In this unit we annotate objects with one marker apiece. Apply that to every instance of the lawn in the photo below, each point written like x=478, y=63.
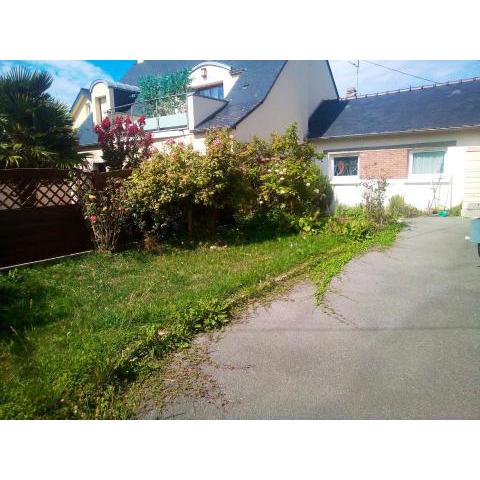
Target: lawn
x=73, y=334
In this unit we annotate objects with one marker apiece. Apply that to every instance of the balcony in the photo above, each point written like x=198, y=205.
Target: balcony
x=160, y=113
x=184, y=111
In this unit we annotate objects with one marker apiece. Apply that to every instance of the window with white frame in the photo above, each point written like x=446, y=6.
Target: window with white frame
x=427, y=162
x=345, y=165
x=214, y=91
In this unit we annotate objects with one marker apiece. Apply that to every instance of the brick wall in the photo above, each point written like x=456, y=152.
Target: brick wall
x=390, y=163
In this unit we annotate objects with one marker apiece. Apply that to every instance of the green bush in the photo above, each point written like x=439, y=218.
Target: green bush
x=351, y=222
x=290, y=179
x=285, y=189
x=180, y=185
x=352, y=212
x=270, y=185
x=456, y=211
x=397, y=207
x=354, y=228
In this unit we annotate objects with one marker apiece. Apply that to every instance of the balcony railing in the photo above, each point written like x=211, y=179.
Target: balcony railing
x=160, y=113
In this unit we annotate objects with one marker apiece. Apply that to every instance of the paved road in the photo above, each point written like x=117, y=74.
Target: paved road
x=397, y=337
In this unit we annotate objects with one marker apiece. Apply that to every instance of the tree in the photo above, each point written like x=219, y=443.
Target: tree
x=124, y=143
x=35, y=129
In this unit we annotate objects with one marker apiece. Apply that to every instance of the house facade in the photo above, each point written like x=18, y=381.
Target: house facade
x=250, y=97
x=425, y=141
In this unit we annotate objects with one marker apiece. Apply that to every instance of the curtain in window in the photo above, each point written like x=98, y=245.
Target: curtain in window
x=427, y=162
x=345, y=166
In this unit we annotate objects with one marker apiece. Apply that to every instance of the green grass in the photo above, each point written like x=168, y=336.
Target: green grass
x=75, y=333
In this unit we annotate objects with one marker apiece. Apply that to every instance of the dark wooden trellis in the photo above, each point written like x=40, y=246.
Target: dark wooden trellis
x=37, y=188
x=40, y=212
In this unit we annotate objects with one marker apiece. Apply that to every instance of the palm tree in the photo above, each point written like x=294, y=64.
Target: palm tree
x=35, y=129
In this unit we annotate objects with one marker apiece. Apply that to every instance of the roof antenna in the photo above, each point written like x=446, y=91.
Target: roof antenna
x=357, y=66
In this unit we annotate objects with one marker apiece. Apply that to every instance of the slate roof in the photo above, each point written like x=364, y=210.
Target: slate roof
x=256, y=79
x=444, y=106
x=252, y=87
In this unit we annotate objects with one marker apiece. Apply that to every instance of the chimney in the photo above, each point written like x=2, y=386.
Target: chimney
x=351, y=92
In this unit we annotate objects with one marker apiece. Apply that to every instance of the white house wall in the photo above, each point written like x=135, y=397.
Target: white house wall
x=298, y=90
x=199, y=108
x=80, y=112
x=215, y=76
x=99, y=90
x=450, y=190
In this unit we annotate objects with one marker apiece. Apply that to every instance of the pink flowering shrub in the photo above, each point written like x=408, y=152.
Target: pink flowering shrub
x=124, y=143
x=179, y=186
x=182, y=189
x=106, y=213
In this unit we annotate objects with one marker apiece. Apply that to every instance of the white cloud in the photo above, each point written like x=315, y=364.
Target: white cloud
x=374, y=79
x=69, y=75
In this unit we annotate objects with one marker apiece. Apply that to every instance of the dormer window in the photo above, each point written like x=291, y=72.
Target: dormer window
x=203, y=73
x=214, y=91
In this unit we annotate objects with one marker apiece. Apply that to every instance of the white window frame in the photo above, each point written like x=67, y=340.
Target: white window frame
x=426, y=176
x=199, y=88
x=343, y=178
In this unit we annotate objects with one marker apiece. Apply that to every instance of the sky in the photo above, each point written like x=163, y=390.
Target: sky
x=372, y=78
x=71, y=75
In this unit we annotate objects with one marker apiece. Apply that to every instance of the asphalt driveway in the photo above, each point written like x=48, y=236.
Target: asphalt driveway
x=397, y=337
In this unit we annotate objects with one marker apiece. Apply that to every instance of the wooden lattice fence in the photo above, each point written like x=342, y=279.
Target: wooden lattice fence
x=40, y=212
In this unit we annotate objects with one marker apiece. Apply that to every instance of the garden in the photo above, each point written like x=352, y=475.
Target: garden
x=182, y=243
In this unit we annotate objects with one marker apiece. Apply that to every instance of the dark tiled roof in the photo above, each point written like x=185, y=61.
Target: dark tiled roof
x=442, y=106
x=86, y=135
x=250, y=90
x=248, y=93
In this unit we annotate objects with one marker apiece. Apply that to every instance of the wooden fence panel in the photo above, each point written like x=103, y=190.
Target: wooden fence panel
x=40, y=212
x=31, y=234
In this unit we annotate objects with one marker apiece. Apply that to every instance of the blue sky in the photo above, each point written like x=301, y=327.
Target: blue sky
x=71, y=75
x=377, y=79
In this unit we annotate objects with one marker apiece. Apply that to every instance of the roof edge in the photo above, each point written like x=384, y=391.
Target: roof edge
x=199, y=129
x=412, y=89
x=81, y=93
x=395, y=132
x=333, y=79
x=117, y=85
x=212, y=64
x=263, y=99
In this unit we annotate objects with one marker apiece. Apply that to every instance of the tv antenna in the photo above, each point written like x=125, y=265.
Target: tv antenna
x=357, y=67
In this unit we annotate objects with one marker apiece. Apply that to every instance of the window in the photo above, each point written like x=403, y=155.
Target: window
x=216, y=91
x=427, y=163
x=345, y=166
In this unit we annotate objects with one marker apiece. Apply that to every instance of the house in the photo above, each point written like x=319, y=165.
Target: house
x=425, y=141
x=251, y=97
